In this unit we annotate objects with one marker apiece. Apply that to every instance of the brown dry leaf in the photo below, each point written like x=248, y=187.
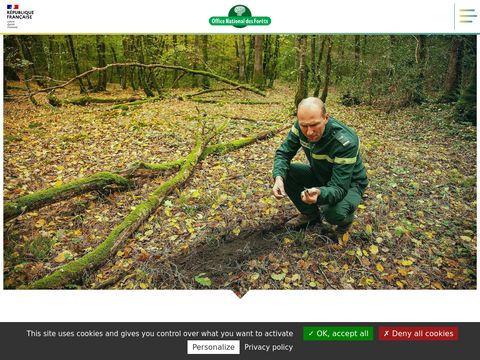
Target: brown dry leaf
x=144, y=255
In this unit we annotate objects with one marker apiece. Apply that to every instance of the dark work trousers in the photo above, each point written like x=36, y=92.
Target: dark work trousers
x=300, y=176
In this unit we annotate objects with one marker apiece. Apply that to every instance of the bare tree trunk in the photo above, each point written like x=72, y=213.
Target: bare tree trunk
x=115, y=59
x=127, y=72
x=418, y=95
x=251, y=47
x=302, y=59
x=71, y=47
x=205, y=79
x=242, y=58
x=175, y=62
x=452, y=81
x=267, y=57
x=328, y=70
x=313, y=54
x=50, y=57
x=357, y=52
x=140, y=48
x=196, y=57
x=102, y=76
x=318, y=78
x=339, y=72
x=274, y=62
x=258, y=78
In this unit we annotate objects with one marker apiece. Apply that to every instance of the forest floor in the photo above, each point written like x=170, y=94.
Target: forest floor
x=416, y=228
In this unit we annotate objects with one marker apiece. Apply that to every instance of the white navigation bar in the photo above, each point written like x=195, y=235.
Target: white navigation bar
x=188, y=16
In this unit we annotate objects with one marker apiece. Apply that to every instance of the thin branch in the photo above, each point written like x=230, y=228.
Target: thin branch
x=151, y=66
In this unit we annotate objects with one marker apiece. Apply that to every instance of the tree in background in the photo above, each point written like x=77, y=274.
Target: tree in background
x=242, y=59
x=205, y=79
x=71, y=48
x=102, y=75
x=454, y=72
x=327, y=70
x=301, y=75
x=258, y=78
x=317, y=74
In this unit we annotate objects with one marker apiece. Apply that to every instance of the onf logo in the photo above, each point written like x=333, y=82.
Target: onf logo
x=240, y=16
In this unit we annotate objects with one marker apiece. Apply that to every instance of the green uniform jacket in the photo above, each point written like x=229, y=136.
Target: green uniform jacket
x=335, y=160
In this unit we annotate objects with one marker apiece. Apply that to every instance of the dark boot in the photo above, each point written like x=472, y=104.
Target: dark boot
x=302, y=220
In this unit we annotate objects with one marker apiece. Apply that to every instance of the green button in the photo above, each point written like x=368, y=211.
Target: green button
x=335, y=333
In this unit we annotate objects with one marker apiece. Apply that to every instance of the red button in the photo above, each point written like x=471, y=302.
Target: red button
x=416, y=333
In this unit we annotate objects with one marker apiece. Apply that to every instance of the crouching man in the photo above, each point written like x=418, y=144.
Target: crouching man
x=335, y=177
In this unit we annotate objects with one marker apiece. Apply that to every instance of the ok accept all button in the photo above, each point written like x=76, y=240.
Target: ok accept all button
x=338, y=333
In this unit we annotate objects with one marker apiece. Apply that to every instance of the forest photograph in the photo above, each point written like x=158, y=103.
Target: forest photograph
x=145, y=161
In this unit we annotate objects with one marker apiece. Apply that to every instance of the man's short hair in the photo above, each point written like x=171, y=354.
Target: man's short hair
x=314, y=101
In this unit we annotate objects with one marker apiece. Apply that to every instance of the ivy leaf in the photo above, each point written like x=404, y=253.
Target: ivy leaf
x=202, y=280
x=278, y=277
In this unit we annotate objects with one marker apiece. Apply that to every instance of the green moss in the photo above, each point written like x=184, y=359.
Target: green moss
x=10, y=138
x=34, y=125
x=125, y=106
x=53, y=100
x=85, y=100
x=51, y=195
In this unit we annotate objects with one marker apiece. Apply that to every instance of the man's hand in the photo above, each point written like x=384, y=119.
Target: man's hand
x=279, y=188
x=310, y=196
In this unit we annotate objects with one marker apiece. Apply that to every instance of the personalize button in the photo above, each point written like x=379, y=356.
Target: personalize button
x=213, y=346
x=418, y=333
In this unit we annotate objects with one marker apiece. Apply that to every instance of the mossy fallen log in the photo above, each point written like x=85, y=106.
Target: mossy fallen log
x=140, y=165
x=73, y=270
x=39, y=199
x=220, y=148
x=85, y=100
x=241, y=102
x=126, y=105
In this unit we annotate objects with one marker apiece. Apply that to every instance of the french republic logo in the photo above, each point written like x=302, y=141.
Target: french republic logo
x=240, y=16
x=15, y=15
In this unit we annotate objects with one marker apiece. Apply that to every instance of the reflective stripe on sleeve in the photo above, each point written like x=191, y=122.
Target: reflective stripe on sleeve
x=294, y=130
x=305, y=144
x=336, y=160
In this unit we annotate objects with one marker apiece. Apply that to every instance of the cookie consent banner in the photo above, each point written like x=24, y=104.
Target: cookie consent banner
x=240, y=340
